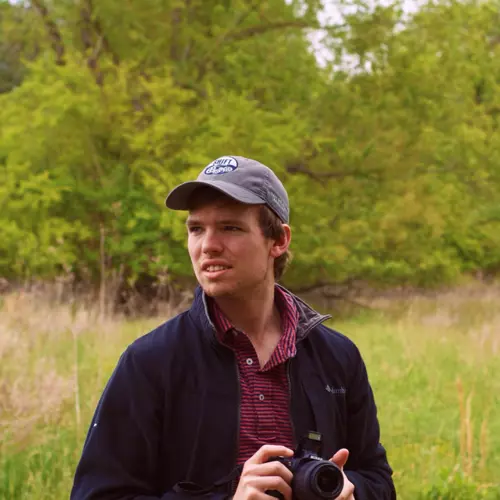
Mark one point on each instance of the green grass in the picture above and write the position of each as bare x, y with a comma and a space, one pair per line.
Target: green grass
434, 368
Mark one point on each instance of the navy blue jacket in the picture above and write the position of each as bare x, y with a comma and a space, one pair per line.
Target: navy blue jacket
170, 412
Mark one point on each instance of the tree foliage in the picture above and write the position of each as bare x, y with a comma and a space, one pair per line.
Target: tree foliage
389, 154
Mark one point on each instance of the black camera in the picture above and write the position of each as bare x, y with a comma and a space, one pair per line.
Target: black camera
313, 477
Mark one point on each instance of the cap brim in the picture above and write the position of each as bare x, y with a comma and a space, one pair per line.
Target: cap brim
179, 197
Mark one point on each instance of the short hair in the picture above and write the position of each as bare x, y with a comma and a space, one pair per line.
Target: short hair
272, 227
270, 224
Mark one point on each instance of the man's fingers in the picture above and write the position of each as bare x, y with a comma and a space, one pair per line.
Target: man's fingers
270, 483
348, 493
340, 458
268, 451
274, 468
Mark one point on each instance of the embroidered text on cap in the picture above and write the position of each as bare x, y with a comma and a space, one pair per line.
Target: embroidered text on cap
222, 165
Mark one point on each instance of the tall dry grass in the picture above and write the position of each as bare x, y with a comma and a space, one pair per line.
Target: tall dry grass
49, 340
36, 380
432, 359
434, 363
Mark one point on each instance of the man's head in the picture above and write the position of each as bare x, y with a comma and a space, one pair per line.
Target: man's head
238, 235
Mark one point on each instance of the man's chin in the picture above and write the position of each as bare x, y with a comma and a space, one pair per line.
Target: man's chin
216, 290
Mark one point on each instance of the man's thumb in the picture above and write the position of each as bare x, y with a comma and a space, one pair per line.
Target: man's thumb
340, 458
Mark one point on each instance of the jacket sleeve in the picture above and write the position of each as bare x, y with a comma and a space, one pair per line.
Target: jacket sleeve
367, 467
121, 454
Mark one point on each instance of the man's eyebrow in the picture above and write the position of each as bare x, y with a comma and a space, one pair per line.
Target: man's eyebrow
228, 222
191, 221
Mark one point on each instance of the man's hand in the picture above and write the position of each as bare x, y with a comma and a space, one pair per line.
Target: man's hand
259, 475
340, 458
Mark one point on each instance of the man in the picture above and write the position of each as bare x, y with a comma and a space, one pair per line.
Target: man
241, 376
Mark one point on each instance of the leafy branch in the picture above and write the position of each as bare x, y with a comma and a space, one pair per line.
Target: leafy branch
52, 31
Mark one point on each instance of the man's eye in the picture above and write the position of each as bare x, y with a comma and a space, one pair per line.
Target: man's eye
194, 229
231, 228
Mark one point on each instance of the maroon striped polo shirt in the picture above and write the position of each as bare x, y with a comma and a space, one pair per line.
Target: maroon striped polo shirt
265, 400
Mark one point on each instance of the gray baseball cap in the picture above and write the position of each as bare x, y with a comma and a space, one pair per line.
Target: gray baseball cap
245, 180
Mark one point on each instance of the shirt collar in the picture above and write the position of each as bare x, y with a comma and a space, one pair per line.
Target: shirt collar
284, 302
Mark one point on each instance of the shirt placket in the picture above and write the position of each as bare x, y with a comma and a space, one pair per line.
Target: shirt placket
263, 392
266, 427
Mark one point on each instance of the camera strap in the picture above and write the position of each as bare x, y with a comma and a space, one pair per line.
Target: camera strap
190, 488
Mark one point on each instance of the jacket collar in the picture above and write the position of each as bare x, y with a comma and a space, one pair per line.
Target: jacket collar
308, 317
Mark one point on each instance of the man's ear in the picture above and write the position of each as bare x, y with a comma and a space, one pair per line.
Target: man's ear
280, 246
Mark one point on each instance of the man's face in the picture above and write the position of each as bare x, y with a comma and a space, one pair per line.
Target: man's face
229, 253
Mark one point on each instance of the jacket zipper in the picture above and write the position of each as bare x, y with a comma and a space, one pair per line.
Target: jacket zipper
288, 363
238, 377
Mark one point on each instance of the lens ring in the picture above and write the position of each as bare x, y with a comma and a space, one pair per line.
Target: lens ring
327, 480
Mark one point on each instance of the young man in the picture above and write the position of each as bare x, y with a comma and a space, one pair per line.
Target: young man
241, 376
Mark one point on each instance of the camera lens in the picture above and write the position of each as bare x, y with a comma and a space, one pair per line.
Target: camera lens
326, 480
318, 480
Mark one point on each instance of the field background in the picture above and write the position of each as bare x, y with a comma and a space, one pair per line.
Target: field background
432, 359
381, 118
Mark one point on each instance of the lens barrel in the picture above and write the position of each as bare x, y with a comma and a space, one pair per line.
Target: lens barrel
317, 479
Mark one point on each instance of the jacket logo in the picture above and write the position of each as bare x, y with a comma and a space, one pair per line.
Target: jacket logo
334, 390
222, 165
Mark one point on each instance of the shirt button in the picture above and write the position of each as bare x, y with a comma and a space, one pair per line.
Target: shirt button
261, 397
249, 361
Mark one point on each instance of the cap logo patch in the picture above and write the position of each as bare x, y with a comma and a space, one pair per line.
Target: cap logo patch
222, 165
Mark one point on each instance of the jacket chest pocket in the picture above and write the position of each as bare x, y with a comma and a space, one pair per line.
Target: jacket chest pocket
329, 408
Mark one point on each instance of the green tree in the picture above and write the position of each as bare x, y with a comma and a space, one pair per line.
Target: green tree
404, 157
120, 105
390, 153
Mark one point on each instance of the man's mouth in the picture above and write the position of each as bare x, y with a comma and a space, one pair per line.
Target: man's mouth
213, 269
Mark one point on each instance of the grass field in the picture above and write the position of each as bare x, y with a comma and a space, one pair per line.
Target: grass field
433, 362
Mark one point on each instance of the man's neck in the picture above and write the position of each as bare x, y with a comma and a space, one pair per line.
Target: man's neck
255, 313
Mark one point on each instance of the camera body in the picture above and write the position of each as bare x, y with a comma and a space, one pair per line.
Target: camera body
313, 477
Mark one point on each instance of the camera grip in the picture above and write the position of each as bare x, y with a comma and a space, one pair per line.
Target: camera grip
275, 494
286, 463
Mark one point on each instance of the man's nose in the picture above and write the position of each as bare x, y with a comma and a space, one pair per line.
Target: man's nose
211, 242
